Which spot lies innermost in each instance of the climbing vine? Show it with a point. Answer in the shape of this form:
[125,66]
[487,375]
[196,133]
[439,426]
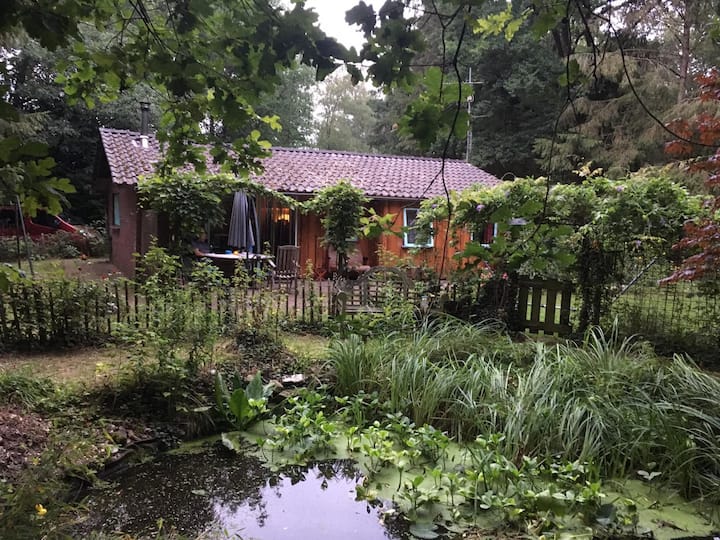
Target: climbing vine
[579,235]
[341,208]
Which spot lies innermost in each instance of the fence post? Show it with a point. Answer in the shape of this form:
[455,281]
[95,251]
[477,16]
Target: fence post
[3,319]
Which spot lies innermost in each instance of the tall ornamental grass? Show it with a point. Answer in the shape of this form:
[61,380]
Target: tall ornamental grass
[609,401]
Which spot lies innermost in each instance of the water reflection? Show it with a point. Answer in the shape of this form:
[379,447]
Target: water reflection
[217,491]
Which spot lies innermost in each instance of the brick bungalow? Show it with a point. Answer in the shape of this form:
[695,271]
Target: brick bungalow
[395,185]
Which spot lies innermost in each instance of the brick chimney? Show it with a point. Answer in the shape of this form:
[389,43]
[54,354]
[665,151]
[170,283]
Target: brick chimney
[144,123]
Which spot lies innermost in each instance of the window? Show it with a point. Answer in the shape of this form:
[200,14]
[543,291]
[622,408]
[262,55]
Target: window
[410,235]
[484,234]
[116,209]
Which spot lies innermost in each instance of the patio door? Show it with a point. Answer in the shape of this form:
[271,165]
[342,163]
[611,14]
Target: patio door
[280,224]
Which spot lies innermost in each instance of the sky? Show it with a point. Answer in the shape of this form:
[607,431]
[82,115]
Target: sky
[331,15]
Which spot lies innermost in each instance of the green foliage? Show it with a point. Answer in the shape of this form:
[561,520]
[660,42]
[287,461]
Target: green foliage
[354,365]
[292,103]
[303,432]
[71,131]
[572,232]
[242,407]
[59,245]
[25,389]
[395,313]
[439,483]
[340,206]
[609,402]
[257,42]
[436,109]
[193,201]
[56,313]
[346,118]
[373,225]
[182,329]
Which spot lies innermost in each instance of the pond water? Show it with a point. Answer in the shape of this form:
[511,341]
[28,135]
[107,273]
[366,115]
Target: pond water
[234,495]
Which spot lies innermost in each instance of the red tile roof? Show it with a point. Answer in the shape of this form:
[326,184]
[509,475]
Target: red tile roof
[302,171]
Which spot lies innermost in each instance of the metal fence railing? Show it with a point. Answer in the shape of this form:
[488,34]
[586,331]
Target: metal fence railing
[677,317]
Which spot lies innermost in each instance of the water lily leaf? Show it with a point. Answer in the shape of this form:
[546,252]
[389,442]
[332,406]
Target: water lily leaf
[424,531]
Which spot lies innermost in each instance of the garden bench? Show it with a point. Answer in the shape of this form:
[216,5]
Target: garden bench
[370,292]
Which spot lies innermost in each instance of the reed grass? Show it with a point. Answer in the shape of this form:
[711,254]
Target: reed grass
[607,400]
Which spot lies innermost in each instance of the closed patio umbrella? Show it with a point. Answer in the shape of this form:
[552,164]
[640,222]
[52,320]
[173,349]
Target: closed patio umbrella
[244,233]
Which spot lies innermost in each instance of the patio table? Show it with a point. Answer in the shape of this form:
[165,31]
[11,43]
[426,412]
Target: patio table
[253,261]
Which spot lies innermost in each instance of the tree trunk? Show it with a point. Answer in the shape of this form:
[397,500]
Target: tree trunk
[685,49]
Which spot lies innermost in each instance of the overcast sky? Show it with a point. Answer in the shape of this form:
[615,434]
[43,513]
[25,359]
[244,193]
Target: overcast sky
[331,15]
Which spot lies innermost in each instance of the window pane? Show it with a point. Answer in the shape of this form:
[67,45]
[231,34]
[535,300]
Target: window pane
[116,209]
[410,236]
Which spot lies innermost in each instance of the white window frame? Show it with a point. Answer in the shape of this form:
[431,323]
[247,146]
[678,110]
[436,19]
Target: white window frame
[406,243]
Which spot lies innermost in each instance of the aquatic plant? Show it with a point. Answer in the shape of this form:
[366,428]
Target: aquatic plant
[607,401]
[243,406]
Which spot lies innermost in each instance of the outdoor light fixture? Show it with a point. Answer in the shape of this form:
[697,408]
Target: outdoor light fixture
[281,214]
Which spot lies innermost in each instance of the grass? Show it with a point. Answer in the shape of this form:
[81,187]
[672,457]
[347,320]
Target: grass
[85,269]
[608,401]
[306,347]
[22,388]
[83,365]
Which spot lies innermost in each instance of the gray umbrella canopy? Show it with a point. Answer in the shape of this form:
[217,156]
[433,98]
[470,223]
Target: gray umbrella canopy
[244,233]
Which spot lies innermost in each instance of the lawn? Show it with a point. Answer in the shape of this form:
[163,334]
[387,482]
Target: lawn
[78,268]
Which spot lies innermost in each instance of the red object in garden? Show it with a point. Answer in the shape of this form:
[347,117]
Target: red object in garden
[42,223]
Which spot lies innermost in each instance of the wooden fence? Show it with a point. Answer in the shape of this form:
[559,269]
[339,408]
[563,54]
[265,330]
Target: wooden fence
[69,313]
[80,313]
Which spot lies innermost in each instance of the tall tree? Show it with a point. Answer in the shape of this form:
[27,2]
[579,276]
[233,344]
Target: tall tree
[684,29]
[293,103]
[583,35]
[514,97]
[385,136]
[605,123]
[346,117]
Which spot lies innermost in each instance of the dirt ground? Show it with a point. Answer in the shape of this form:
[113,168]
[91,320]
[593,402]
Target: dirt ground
[23,436]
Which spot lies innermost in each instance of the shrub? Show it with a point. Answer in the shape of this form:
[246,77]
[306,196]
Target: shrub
[24,389]
[9,249]
[62,245]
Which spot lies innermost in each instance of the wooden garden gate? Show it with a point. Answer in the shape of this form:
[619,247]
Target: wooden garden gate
[544,306]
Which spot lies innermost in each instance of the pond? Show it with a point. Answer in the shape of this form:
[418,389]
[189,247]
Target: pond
[236,496]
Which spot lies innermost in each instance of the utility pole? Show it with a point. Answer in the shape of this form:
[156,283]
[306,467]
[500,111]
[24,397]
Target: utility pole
[470,100]
[468,141]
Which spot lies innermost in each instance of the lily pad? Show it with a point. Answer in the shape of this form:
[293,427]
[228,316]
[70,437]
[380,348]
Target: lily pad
[426,531]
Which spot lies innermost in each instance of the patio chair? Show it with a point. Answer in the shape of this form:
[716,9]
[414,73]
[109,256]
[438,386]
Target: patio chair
[287,267]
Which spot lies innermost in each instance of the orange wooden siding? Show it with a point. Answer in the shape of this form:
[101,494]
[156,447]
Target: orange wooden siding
[310,234]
